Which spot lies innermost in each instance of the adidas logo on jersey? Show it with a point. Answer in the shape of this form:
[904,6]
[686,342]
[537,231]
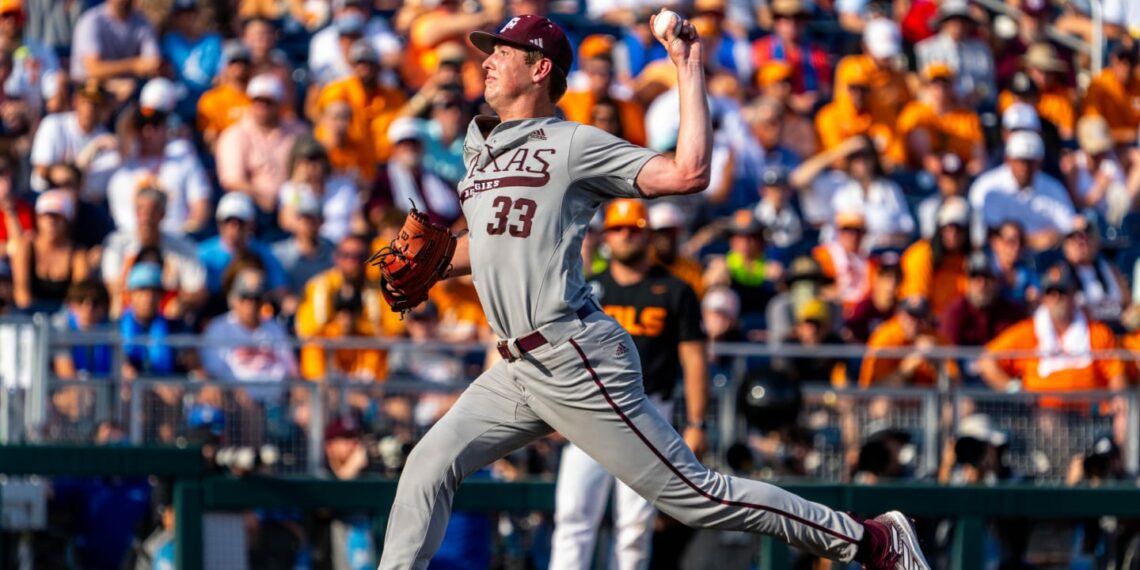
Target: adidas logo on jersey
[621,349]
[537,136]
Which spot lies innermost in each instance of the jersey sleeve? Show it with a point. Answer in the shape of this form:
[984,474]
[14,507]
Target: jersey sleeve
[608,164]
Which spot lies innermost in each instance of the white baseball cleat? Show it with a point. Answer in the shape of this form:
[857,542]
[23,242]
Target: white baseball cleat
[903,543]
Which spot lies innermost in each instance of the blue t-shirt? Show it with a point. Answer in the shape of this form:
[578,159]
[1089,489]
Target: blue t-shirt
[195,64]
[154,357]
[215,257]
[106,514]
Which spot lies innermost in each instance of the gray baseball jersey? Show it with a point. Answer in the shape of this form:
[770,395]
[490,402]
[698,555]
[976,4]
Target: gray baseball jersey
[530,190]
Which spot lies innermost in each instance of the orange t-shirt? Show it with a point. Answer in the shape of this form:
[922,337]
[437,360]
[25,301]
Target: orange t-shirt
[353,159]
[890,335]
[353,362]
[420,59]
[938,285]
[839,120]
[854,286]
[1131,342]
[1022,336]
[889,89]
[372,110]
[1055,106]
[221,107]
[1119,104]
[578,104]
[458,305]
[958,131]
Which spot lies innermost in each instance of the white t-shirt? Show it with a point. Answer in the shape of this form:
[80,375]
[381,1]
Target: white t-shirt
[883,207]
[181,269]
[264,354]
[59,139]
[326,59]
[179,173]
[339,203]
[995,197]
[816,201]
[1117,194]
[1122,13]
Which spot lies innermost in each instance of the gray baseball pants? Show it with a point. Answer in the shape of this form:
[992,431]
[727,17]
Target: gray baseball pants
[586,384]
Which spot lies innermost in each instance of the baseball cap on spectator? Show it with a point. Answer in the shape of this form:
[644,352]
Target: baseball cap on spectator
[850,220]
[665,216]
[709,6]
[57,202]
[159,95]
[954,212]
[1059,278]
[533,33]
[361,52]
[1022,86]
[236,51]
[916,307]
[1021,117]
[236,205]
[813,311]
[350,24]
[451,52]
[889,263]
[882,38]
[744,222]
[1024,145]
[626,213]
[981,428]
[937,71]
[144,275]
[773,72]
[1043,56]
[344,426]
[12,6]
[403,129]
[1094,135]
[979,264]
[774,175]
[595,45]
[952,164]
[722,300]
[950,9]
[806,268]
[788,8]
[266,86]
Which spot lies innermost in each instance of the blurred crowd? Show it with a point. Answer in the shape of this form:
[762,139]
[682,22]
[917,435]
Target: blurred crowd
[902,175]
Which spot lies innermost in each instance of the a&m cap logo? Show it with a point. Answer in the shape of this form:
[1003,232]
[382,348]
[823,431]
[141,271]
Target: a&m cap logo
[510,24]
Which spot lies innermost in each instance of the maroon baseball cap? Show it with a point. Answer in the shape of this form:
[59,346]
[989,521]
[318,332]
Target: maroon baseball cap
[530,32]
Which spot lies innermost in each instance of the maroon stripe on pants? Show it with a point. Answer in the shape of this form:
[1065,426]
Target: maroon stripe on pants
[677,472]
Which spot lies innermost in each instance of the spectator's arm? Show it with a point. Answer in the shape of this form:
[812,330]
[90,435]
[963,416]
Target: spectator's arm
[102,69]
[802,177]
[694,367]
[993,374]
[311,317]
[22,271]
[231,162]
[63,366]
[437,30]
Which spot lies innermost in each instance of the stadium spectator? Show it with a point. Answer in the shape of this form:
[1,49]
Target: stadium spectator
[78,137]
[327,61]
[260,36]
[850,115]
[776,211]
[1063,335]
[726,52]
[160,161]
[226,102]
[745,267]
[404,183]
[936,124]
[349,157]
[720,317]
[236,215]
[1055,100]
[785,134]
[85,311]
[435,365]
[811,69]
[577,103]
[981,313]
[869,190]
[1018,281]
[956,46]
[17,117]
[346,279]
[814,327]
[310,173]
[880,304]
[951,182]
[116,44]
[359,364]
[433,25]
[194,54]
[880,64]
[182,272]
[667,224]
[844,260]
[253,154]
[32,61]
[45,262]
[1095,174]
[16,215]
[820,177]
[443,134]
[143,318]
[934,269]
[92,222]
[1018,117]
[1115,95]
[305,253]
[374,104]
[911,328]
[461,317]
[806,281]
[1019,190]
[1102,291]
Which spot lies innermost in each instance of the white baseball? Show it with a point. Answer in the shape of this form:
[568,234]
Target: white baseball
[666,19]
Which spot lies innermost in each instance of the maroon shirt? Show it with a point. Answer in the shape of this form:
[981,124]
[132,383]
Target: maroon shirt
[866,317]
[963,324]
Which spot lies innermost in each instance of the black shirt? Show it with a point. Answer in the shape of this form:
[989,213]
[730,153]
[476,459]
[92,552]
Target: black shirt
[659,312]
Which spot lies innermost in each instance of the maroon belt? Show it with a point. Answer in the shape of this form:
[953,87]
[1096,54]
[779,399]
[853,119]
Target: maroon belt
[534,340]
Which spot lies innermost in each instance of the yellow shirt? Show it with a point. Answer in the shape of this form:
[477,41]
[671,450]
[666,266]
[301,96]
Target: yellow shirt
[839,120]
[889,89]
[1118,103]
